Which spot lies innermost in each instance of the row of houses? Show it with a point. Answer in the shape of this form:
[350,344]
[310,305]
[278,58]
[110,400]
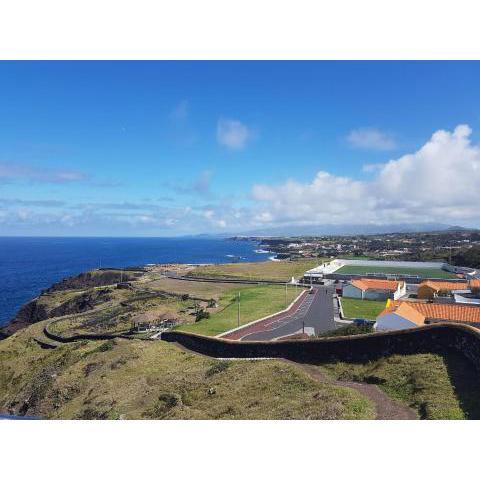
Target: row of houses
[375,289]
[437,301]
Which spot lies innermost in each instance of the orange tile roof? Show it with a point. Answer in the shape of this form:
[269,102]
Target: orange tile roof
[439,286]
[408,311]
[419,312]
[452,312]
[375,284]
[474,283]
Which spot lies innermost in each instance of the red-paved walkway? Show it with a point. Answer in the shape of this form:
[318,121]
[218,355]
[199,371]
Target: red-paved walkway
[269,323]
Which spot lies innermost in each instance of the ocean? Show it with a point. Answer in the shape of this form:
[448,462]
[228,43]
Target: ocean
[30,264]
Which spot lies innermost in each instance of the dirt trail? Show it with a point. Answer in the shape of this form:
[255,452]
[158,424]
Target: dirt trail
[386,408]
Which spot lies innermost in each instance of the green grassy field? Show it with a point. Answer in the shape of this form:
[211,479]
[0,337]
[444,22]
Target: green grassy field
[195,289]
[282,271]
[355,308]
[438,387]
[422,272]
[255,302]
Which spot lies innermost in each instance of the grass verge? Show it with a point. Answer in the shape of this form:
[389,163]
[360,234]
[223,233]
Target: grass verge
[355,308]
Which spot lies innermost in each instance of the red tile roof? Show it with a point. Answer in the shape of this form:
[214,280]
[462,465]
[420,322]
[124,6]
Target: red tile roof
[435,311]
[374,284]
[444,286]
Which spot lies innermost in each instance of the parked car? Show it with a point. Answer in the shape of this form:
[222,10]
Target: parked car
[362,321]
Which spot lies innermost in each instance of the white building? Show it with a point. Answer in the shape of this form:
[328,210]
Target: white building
[373,289]
[402,315]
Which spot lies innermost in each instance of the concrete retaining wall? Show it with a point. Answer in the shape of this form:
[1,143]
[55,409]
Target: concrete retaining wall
[438,338]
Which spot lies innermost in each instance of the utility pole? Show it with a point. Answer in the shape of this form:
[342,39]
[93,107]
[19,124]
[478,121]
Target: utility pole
[286,286]
[238,310]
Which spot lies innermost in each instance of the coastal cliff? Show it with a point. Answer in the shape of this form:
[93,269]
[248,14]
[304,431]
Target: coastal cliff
[95,278]
[66,298]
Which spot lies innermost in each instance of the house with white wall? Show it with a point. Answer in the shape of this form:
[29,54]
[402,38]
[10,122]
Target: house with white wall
[401,315]
[374,289]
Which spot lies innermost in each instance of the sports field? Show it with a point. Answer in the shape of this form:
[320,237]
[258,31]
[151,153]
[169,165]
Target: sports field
[422,272]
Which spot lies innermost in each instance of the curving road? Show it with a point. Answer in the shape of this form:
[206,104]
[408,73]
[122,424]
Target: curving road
[315,314]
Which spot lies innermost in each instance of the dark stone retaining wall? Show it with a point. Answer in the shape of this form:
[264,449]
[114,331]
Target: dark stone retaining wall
[87,336]
[438,338]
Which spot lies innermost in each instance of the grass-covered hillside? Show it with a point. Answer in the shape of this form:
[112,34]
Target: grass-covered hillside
[137,379]
[436,386]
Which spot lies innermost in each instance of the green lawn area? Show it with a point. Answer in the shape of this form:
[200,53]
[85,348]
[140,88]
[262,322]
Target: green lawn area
[355,308]
[255,302]
[422,272]
[437,386]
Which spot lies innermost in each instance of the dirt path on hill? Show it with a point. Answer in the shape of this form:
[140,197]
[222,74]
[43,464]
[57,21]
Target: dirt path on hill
[386,408]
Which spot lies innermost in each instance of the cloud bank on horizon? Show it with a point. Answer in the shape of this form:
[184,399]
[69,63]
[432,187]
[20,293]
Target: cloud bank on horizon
[436,183]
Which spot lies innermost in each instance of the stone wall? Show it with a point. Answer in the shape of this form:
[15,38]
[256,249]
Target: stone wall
[438,338]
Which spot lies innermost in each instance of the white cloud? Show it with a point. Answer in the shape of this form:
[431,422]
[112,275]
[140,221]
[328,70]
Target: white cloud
[439,182]
[233,134]
[10,171]
[199,186]
[371,139]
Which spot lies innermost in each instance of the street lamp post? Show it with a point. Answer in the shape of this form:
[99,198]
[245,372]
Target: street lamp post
[238,310]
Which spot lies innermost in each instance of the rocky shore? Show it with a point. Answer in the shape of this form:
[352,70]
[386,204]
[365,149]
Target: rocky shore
[48,305]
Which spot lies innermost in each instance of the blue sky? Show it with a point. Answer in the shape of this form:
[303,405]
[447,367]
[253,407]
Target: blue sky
[169,148]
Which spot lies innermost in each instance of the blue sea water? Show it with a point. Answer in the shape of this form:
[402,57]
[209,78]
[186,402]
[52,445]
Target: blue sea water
[30,264]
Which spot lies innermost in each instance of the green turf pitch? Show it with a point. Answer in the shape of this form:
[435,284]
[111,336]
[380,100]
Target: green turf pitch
[421,272]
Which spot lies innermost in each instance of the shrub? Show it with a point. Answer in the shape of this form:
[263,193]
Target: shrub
[348,330]
[106,346]
[201,314]
[211,303]
[217,367]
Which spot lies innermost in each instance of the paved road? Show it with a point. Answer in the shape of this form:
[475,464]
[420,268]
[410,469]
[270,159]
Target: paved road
[316,311]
